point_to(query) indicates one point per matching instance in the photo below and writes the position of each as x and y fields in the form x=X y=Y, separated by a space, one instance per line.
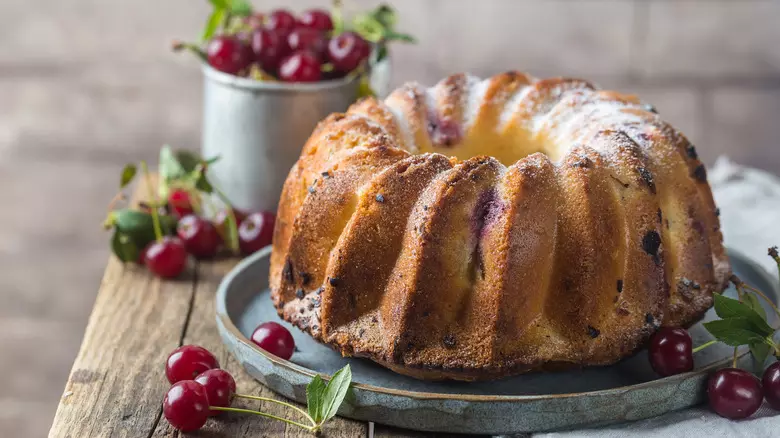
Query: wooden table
x=117 y=383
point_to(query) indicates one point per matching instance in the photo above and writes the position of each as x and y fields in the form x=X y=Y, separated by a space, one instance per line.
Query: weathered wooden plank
x=202 y=331
x=117 y=380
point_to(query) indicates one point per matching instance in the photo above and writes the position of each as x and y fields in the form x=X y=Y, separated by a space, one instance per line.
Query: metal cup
x=258 y=129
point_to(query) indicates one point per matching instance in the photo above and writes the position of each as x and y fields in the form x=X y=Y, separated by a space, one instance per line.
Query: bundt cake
x=484 y=228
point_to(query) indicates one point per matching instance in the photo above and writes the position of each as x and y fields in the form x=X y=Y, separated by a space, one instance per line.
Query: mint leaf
x=188 y=160
x=215 y=20
x=397 y=36
x=128 y=173
x=730 y=308
x=734 y=331
x=760 y=351
x=335 y=392
x=315 y=391
x=386 y=15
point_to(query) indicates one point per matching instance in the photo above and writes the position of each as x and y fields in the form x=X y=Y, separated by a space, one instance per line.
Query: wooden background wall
x=87 y=85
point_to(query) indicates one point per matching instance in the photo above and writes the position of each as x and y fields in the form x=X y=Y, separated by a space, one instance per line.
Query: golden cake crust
x=484 y=228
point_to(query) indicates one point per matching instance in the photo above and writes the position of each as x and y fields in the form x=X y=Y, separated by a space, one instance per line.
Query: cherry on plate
x=186 y=405
x=275 y=339
x=300 y=67
x=256 y=232
x=166 y=258
x=317 y=19
x=220 y=388
x=199 y=235
x=228 y=54
x=734 y=393
x=304 y=38
x=187 y=362
x=347 y=50
x=179 y=202
x=281 y=20
x=268 y=49
x=671 y=351
x=771 y=385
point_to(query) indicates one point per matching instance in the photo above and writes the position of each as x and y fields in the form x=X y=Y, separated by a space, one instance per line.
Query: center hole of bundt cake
x=507 y=145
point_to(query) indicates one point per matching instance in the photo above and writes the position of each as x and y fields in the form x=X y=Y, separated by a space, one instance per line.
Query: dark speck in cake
x=700 y=173
x=620 y=286
x=333 y=281
x=299 y=293
x=380 y=198
x=691 y=151
x=593 y=332
x=647 y=177
x=449 y=341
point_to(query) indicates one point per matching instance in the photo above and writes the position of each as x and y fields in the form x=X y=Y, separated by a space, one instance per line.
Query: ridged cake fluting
x=484 y=228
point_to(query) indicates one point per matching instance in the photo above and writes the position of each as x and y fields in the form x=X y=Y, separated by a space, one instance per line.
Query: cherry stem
x=153 y=198
x=231 y=218
x=178 y=46
x=762 y=295
x=279 y=402
x=263 y=414
x=734 y=360
x=705 y=345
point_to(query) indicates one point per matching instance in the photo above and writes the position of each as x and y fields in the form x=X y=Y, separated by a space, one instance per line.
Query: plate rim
x=224 y=320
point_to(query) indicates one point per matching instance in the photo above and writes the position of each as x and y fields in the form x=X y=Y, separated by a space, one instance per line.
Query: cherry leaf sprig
x=322 y=401
x=743 y=321
x=222 y=13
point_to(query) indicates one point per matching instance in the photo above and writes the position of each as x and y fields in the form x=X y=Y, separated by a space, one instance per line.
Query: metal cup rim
x=277 y=87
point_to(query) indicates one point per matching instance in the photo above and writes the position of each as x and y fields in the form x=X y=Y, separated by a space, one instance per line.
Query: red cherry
x=347 y=50
x=275 y=339
x=734 y=393
x=186 y=405
x=281 y=20
x=220 y=388
x=317 y=19
x=166 y=258
x=268 y=49
x=199 y=235
x=300 y=67
x=771 y=384
x=179 y=202
x=304 y=38
x=187 y=362
x=671 y=351
x=228 y=54
x=256 y=232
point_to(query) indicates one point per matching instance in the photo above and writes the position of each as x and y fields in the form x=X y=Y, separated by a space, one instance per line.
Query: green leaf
x=727 y=308
x=760 y=351
x=212 y=160
x=315 y=391
x=734 y=331
x=752 y=301
x=170 y=168
x=202 y=182
x=386 y=15
x=335 y=392
x=242 y=8
x=188 y=160
x=215 y=20
x=128 y=173
x=369 y=28
x=221 y=4
x=124 y=248
x=403 y=37
x=139 y=226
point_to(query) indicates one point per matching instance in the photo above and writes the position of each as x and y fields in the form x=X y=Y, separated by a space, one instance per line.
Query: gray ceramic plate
x=534 y=402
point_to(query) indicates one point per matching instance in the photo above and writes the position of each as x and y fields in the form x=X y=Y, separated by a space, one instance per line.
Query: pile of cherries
x=292 y=49
x=732 y=392
x=200 y=389
x=203 y=238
